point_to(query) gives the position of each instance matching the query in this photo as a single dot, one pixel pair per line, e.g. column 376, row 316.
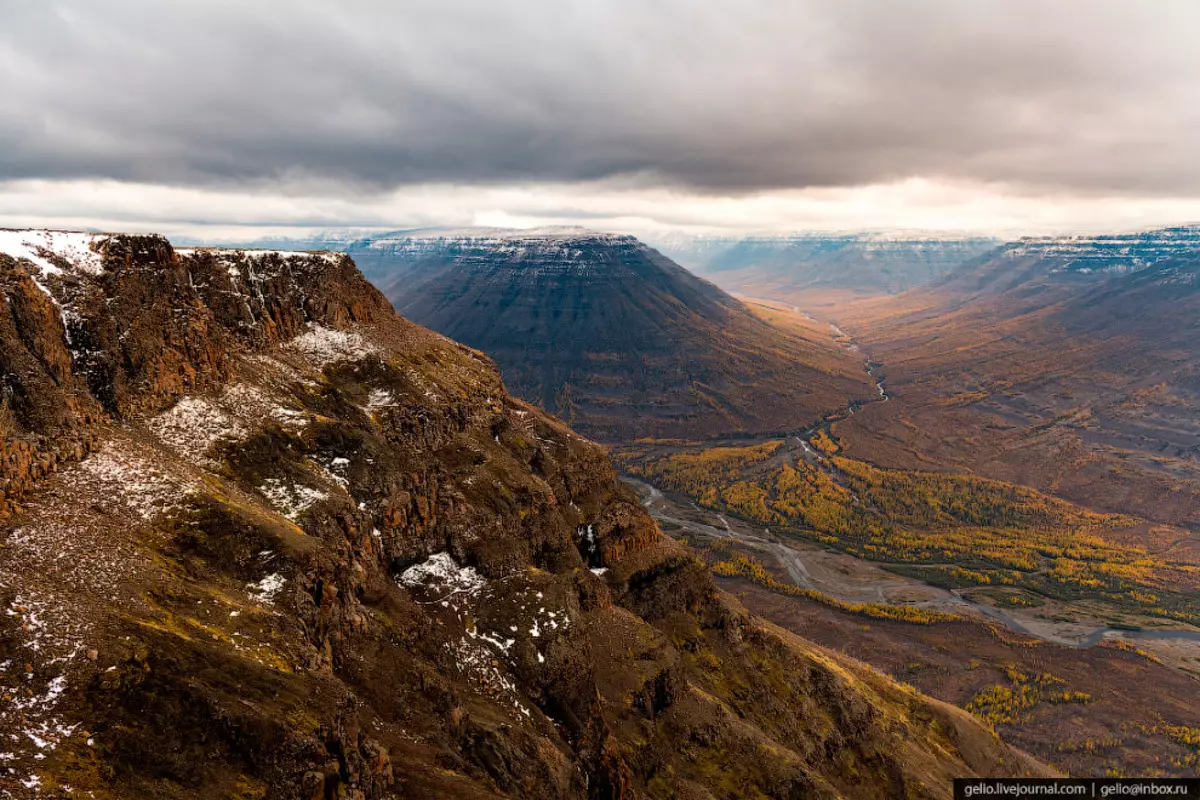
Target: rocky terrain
column 610, row 335
column 797, row 266
column 263, row 538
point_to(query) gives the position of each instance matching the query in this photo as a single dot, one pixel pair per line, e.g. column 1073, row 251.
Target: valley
column 260, row 536
column 1135, row 680
column 599, row 401
column 891, row 596
column 1066, row 366
column 772, row 465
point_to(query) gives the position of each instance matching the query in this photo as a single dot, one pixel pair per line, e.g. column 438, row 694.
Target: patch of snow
column 115, row 473
column 290, row 499
column 51, row 640
column 322, row 346
column 441, row 576
column 232, row 254
column 480, row 666
column 590, row 547
column 266, row 590
column 503, row 645
column 334, row 470
column 193, row 425
column 251, row 403
column 380, row 398
column 36, row 246
column 337, row 468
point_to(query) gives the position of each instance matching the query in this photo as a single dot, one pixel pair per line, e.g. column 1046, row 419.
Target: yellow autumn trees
column 954, row 530
column 743, row 566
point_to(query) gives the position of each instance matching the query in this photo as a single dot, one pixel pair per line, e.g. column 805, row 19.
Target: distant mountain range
column 609, row 334
column 782, row 266
column 767, row 265
column 1065, row 363
column 1069, row 261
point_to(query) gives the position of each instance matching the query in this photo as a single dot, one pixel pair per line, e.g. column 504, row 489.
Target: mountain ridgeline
column 611, row 335
column 1049, row 268
column 263, row 538
column 789, row 266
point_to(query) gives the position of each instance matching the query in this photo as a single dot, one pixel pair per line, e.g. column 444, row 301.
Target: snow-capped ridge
column 37, row 246
column 255, row 254
column 481, row 235
column 1110, row 253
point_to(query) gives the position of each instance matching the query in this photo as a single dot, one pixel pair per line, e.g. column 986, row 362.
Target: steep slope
column 1068, row 364
column 610, row 335
column 263, row 538
column 796, row 266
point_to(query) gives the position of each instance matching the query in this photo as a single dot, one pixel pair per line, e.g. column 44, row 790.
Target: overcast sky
column 222, row 119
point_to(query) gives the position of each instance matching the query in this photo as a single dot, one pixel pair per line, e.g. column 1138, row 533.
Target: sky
column 230, row 120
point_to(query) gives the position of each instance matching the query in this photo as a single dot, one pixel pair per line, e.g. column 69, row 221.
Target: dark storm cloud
column 707, row 94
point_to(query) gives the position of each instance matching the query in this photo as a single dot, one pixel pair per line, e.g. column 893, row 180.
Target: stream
column 792, row 561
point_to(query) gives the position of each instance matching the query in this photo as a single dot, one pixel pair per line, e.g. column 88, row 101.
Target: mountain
column 610, row 335
column 1066, row 263
column 789, row 266
column 263, row 538
column 1070, row 364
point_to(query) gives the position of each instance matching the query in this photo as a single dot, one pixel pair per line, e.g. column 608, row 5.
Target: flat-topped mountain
column 788, row 266
column 260, row 537
column 611, row 335
column 1067, row 263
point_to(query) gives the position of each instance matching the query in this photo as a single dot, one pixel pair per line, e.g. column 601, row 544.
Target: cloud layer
column 718, row 98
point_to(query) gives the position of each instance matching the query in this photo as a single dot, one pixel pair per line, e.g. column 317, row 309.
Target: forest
column 953, row 530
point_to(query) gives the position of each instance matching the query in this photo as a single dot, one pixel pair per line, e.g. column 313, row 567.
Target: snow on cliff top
column 255, row 253
column 482, row 234
column 1138, row 249
column 36, row 246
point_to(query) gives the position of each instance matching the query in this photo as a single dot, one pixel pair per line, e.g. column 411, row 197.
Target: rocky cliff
column 265, row 539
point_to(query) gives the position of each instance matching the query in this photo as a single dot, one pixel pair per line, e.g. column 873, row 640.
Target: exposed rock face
column 610, row 335
column 128, row 325
column 267, row 539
